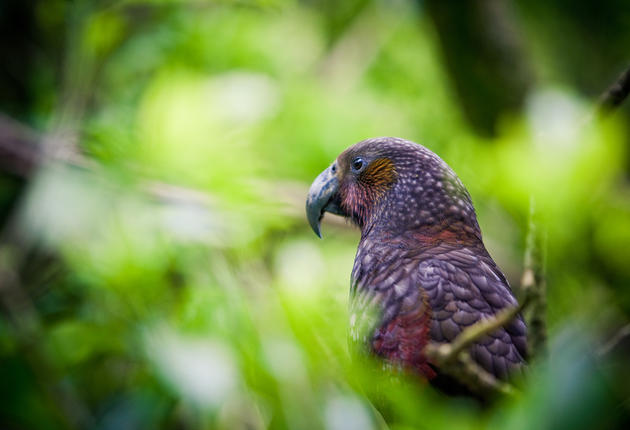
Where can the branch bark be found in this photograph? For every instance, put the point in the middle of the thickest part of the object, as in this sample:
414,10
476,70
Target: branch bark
446,352
534,286
453,358
615,95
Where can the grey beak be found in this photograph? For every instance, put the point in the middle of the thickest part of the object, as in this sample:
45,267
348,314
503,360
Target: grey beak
322,197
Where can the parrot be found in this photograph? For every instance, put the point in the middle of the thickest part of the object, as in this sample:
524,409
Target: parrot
421,272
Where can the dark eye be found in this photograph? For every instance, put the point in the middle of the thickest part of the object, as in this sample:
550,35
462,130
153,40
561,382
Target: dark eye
334,168
357,164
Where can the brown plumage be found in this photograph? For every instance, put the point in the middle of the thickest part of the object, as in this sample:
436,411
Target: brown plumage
421,272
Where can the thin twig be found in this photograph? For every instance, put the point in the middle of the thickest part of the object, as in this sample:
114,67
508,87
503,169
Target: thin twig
453,357
466,371
611,344
534,287
614,96
468,336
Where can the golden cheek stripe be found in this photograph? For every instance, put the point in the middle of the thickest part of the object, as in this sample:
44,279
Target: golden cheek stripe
379,174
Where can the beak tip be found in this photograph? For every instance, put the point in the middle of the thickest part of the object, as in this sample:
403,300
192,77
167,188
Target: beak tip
316,228
318,199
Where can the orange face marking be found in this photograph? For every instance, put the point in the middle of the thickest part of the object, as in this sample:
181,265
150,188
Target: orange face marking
379,174
358,196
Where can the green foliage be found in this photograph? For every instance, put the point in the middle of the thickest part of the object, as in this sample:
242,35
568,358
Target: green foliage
185,288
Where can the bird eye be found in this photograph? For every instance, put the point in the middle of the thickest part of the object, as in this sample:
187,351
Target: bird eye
334,168
357,164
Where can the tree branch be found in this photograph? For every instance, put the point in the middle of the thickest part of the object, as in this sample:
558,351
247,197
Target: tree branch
20,154
453,357
622,334
534,287
615,94
446,352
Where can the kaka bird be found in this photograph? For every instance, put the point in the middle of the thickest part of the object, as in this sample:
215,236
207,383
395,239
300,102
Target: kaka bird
421,271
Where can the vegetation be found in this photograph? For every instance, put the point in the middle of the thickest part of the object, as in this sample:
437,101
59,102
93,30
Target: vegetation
156,268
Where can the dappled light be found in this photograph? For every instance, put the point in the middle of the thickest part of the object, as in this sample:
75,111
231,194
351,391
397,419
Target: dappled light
157,269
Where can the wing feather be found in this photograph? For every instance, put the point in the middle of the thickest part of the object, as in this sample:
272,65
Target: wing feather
463,286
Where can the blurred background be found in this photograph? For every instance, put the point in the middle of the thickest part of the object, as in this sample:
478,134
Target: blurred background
156,267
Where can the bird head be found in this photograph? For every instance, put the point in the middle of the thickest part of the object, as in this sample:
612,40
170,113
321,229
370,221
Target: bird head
392,185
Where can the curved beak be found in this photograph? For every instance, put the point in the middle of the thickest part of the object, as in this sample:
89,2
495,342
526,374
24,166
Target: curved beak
322,197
